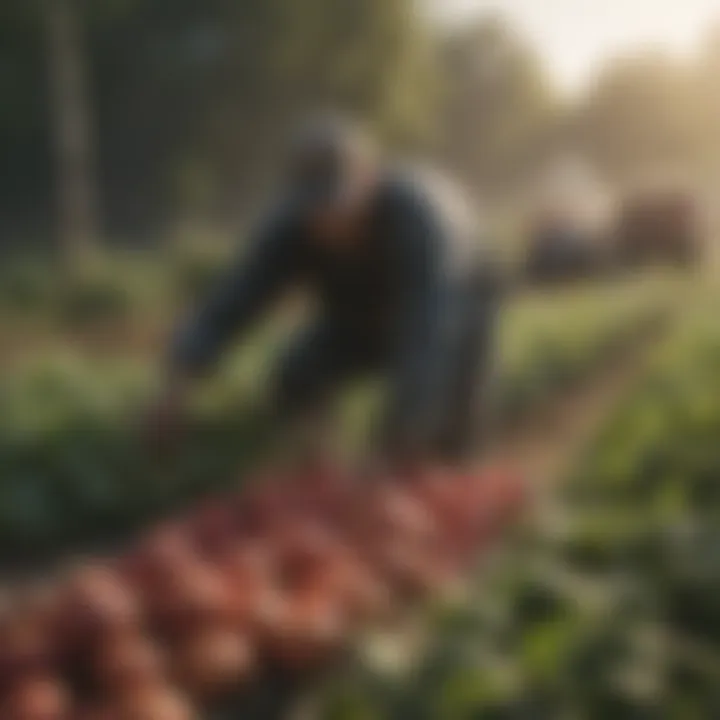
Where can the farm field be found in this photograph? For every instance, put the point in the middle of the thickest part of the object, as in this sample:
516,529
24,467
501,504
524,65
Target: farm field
177,547
72,471
599,604
606,604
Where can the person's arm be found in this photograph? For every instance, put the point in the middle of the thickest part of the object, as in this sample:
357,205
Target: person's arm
254,280
422,330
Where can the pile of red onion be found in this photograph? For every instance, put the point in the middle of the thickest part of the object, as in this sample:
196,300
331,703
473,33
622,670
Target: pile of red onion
283,574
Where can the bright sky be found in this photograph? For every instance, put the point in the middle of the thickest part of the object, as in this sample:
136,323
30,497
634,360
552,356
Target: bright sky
576,35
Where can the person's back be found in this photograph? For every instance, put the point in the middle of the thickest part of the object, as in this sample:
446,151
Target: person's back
363,283
394,260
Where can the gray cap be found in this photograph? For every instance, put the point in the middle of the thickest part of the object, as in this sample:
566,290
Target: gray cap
328,155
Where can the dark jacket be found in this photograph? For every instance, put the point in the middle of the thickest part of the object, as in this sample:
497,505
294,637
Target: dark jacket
401,287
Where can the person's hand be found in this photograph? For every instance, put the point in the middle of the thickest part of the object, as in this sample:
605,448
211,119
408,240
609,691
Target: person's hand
165,419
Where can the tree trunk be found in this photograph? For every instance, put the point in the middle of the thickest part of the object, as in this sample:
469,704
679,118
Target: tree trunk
76,189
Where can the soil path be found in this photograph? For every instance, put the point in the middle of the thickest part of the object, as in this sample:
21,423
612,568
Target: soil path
546,446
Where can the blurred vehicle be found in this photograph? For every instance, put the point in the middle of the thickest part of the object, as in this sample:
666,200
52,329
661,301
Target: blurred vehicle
561,250
659,226
568,233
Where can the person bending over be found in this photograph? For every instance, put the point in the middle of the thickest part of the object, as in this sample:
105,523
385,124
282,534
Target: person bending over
405,291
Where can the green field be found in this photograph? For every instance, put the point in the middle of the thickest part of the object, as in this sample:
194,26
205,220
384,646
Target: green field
605,606
72,470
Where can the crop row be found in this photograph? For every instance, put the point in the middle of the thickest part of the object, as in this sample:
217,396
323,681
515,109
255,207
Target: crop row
554,342
72,470
280,576
609,607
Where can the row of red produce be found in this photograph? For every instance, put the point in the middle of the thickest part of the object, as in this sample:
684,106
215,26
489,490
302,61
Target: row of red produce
282,574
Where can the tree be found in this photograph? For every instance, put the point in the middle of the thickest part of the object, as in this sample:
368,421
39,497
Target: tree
498,105
185,103
195,99
709,101
24,131
643,116
374,57
75,163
